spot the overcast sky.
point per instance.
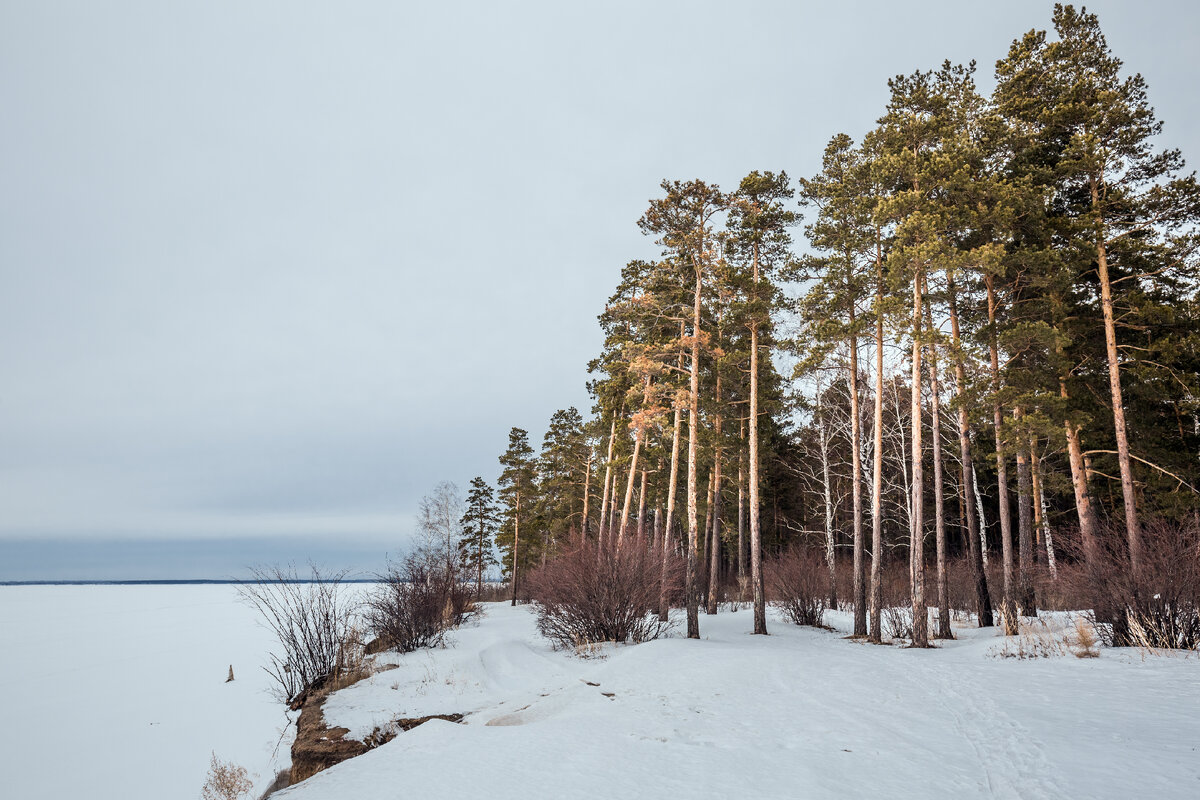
(269, 272)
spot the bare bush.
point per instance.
(418, 600)
(493, 592)
(225, 781)
(588, 596)
(1156, 607)
(316, 622)
(798, 585)
(1034, 638)
(897, 622)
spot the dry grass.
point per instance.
(226, 781)
(1035, 638)
(1085, 639)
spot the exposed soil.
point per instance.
(318, 747)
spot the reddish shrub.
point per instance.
(1159, 606)
(589, 595)
(417, 601)
(798, 585)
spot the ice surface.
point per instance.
(119, 691)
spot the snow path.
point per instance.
(801, 713)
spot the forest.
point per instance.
(958, 369)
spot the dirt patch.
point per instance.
(318, 747)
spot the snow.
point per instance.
(118, 691)
(801, 713)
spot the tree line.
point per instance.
(988, 350)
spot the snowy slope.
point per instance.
(801, 713)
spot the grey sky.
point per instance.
(268, 272)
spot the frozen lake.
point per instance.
(119, 691)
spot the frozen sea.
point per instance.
(118, 691)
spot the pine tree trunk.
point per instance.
(876, 630)
(1025, 597)
(1039, 506)
(1079, 483)
(939, 506)
(707, 548)
(859, 588)
(714, 556)
(741, 508)
(479, 561)
(608, 481)
(827, 495)
(983, 602)
(917, 525)
(639, 435)
(1132, 527)
(756, 567)
(1006, 547)
(641, 520)
(672, 485)
(587, 495)
(693, 611)
(516, 543)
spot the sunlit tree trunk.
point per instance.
(693, 612)
(975, 542)
(672, 485)
(1025, 597)
(917, 525)
(1006, 553)
(939, 506)
(876, 630)
(608, 479)
(1132, 527)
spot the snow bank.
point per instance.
(801, 713)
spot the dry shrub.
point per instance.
(588, 595)
(494, 592)
(1084, 639)
(225, 781)
(417, 601)
(798, 585)
(1034, 638)
(1156, 608)
(315, 620)
(897, 622)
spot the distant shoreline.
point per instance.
(162, 582)
(173, 582)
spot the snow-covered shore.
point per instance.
(801, 713)
(118, 692)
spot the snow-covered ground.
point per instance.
(802, 713)
(118, 692)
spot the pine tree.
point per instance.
(517, 489)
(683, 222)
(843, 231)
(479, 525)
(1122, 214)
(759, 224)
